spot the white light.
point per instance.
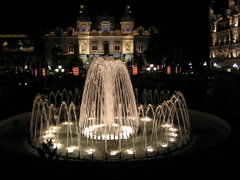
(57, 70)
(129, 151)
(164, 145)
(173, 129)
(173, 134)
(90, 151)
(62, 70)
(113, 153)
(59, 67)
(49, 67)
(147, 119)
(154, 68)
(67, 123)
(71, 149)
(190, 64)
(19, 84)
(151, 65)
(205, 64)
(25, 67)
(115, 125)
(25, 84)
(166, 125)
(57, 145)
(235, 65)
(124, 132)
(215, 65)
(149, 149)
(172, 139)
(148, 69)
(53, 129)
(48, 136)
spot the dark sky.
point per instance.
(186, 21)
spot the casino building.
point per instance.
(225, 37)
(76, 46)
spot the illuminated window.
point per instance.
(140, 48)
(5, 44)
(71, 47)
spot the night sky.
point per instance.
(186, 21)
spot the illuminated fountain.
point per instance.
(109, 125)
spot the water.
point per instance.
(108, 124)
(108, 108)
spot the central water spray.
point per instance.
(108, 109)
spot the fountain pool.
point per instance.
(109, 125)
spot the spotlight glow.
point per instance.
(150, 149)
(114, 153)
(172, 139)
(164, 145)
(71, 149)
(129, 151)
(90, 151)
(147, 119)
(166, 125)
(173, 134)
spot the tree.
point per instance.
(56, 55)
(157, 50)
(48, 152)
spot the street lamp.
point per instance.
(190, 65)
(235, 65)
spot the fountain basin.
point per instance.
(207, 131)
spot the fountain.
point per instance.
(109, 124)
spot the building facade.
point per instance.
(76, 46)
(225, 37)
(17, 54)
